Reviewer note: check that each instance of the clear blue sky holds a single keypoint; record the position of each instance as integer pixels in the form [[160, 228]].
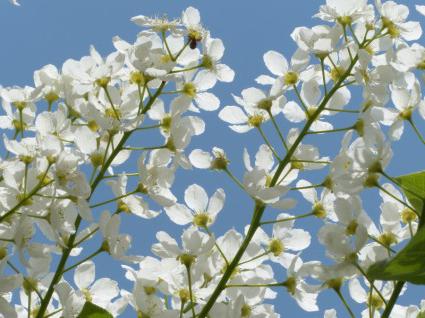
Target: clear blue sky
[[50, 31]]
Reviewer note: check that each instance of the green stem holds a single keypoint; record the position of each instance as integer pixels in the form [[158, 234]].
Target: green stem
[[371, 283], [236, 180], [100, 250], [397, 199], [288, 219], [105, 88], [21, 203], [268, 143], [342, 110], [112, 200], [278, 130], [217, 246], [400, 185], [313, 186], [259, 208], [70, 244], [393, 299], [164, 39], [145, 148], [322, 66], [418, 133], [330, 130], [189, 278], [254, 285], [346, 305], [297, 92], [254, 258], [148, 127]]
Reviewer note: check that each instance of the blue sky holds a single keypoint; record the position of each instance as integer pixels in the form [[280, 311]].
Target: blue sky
[[50, 31]]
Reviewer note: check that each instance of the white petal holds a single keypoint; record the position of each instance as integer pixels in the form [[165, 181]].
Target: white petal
[[285, 204], [200, 159], [179, 214], [357, 292], [265, 80], [104, 290], [297, 239], [216, 202], [205, 80], [225, 73], [233, 115], [207, 101], [216, 49], [264, 158], [276, 63], [191, 16], [84, 275], [196, 198], [420, 9], [293, 112]]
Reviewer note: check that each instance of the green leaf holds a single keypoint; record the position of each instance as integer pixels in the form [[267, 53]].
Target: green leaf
[[413, 186], [408, 264], [91, 310]]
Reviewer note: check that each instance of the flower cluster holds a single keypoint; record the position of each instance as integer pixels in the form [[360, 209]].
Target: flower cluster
[[74, 132]]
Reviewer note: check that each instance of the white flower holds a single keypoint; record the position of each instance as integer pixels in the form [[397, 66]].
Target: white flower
[[101, 291], [393, 20], [196, 89], [7, 285], [405, 102], [345, 11], [256, 106], [202, 211], [287, 76], [213, 52]]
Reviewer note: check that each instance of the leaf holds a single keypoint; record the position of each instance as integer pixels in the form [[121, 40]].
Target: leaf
[[415, 183], [91, 310], [408, 264]]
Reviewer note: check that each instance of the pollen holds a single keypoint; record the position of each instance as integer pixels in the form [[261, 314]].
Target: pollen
[[201, 219], [337, 73], [311, 111], [103, 81], [375, 301], [93, 126], [256, 120], [406, 114], [265, 104], [290, 78], [184, 295], [387, 239], [20, 105], [291, 285], [408, 216], [392, 29], [166, 123], [207, 62], [51, 97], [96, 159], [344, 20], [189, 89], [149, 290], [246, 311], [335, 283], [319, 210], [276, 247], [187, 259], [165, 58], [113, 113], [352, 228]]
